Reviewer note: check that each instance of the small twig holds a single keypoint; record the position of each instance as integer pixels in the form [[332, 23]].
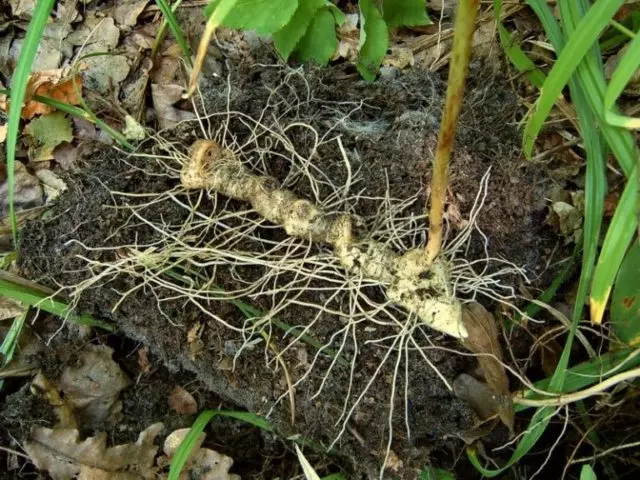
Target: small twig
[[462, 44]]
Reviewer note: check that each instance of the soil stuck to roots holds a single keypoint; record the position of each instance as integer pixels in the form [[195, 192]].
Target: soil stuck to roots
[[127, 244]]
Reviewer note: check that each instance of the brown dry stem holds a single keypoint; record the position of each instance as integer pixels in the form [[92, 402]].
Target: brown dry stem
[[411, 283], [462, 41]]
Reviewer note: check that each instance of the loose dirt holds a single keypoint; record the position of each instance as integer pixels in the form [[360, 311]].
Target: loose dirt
[[389, 137]]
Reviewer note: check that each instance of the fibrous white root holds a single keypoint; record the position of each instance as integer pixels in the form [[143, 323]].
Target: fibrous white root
[[420, 288]]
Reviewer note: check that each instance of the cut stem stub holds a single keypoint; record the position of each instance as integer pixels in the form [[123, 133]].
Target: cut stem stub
[[420, 288]]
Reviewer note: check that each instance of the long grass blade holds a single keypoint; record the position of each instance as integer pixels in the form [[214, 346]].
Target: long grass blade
[[621, 76], [19, 83], [579, 43], [616, 242], [514, 53], [170, 17], [35, 296], [187, 445]]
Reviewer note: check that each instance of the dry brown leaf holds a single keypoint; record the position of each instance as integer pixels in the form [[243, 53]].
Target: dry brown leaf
[[164, 97], [182, 402], [483, 340], [44, 389], [203, 463], [59, 452], [95, 34], [143, 360], [28, 192], [50, 84], [10, 308], [92, 387], [126, 12], [22, 8]]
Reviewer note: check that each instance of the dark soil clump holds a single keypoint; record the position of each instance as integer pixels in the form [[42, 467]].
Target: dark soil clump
[[390, 139]]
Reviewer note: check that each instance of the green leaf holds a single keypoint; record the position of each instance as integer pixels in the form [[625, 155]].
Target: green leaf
[[263, 16], [431, 473], [408, 13], [188, 443], [320, 42], [616, 241], [515, 54], [587, 473], [621, 76], [170, 18], [584, 36], [46, 133], [19, 82], [32, 294], [587, 373], [374, 40], [625, 303], [287, 38]]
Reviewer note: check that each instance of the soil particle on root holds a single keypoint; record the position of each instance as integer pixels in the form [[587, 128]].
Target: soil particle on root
[[388, 132]]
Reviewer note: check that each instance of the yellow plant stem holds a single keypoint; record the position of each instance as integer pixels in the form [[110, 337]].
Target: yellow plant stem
[[459, 65], [214, 21]]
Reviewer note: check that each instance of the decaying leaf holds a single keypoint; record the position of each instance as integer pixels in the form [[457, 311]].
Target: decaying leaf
[[46, 390], [483, 340], [203, 463], [22, 8], [64, 456], [53, 185], [95, 34], [92, 385], [164, 98], [182, 402], [45, 133], [3, 133], [399, 58], [27, 190], [51, 84], [48, 56], [105, 73], [10, 308], [126, 12]]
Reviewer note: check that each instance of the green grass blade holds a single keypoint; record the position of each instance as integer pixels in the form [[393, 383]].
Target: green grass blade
[[10, 341], [515, 54], [81, 113], [621, 230], [18, 90], [621, 76], [172, 21], [189, 442], [30, 294], [587, 373], [579, 43], [162, 31]]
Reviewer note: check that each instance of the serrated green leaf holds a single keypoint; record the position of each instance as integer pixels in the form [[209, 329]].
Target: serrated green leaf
[[263, 16], [409, 13], [625, 302], [320, 42], [337, 13], [286, 39], [46, 133], [374, 40]]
